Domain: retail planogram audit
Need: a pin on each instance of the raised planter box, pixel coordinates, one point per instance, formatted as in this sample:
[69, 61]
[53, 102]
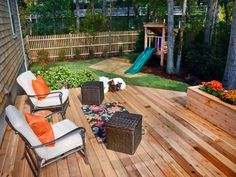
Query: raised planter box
[211, 108]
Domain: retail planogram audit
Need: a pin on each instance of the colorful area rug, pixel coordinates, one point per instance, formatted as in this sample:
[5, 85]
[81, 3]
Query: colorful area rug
[98, 116]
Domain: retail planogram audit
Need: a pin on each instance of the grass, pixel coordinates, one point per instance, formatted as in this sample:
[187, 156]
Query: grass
[146, 80]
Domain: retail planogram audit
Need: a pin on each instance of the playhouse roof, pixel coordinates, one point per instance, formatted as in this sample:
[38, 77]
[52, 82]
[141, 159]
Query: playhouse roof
[154, 27]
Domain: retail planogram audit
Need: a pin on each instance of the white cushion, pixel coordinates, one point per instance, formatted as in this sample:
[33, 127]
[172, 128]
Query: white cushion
[18, 121]
[105, 83]
[25, 81]
[52, 99]
[65, 144]
[70, 142]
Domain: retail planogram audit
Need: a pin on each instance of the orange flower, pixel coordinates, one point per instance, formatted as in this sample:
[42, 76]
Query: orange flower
[214, 85]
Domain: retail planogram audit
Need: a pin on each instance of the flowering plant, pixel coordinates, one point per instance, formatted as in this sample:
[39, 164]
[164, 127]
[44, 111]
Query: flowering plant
[229, 96]
[213, 87]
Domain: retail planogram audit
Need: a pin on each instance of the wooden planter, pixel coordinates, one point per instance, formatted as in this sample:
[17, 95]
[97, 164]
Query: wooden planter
[211, 108]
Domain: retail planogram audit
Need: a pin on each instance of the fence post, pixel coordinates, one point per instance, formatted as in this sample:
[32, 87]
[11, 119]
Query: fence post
[71, 48]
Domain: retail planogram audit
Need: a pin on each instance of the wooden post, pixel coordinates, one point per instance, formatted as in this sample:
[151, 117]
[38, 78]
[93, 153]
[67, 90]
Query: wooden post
[145, 37]
[71, 49]
[162, 46]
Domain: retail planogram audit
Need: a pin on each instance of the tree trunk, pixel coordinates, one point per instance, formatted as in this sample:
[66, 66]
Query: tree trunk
[226, 14]
[209, 21]
[104, 7]
[92, 3]
[148, 13]
[128, 12]
[171, 39]
[77, 16]
[181, 37]
[215, 20]
[229, 80]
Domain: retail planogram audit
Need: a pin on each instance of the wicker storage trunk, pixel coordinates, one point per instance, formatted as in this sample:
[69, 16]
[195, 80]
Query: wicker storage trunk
[92, 93]
[123, 132]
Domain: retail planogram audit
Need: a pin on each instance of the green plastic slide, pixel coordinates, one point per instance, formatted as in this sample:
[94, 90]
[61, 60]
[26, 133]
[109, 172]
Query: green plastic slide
[141, 61]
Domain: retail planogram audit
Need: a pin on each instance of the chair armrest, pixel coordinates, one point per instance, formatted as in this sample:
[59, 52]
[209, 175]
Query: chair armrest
[49, 116]
[81, 129]
[57, 92]
[51, 93]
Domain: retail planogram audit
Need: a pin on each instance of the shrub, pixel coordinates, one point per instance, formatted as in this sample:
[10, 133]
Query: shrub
[105, 52]
[55, 76]
[77, 53]
[213, 87]
[91, 53]
[120, 50]
[132, 57]
[206, 62]
[139, 45]
[42, 58]
[94, 22]
[229, 96]
[62, 55]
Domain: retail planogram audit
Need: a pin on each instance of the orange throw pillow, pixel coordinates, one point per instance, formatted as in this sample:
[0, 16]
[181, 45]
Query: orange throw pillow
[41, 127]
[40, 87]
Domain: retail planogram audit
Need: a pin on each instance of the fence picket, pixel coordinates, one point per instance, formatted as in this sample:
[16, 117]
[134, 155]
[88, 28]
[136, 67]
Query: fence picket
[101, 43]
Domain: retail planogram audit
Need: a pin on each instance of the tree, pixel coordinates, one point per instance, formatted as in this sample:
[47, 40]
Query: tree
[53, 17]
[104, 7]
[129, 3]
[211, 12]
[77, 15]
[171, 38]
[229, 80]
[181, 37]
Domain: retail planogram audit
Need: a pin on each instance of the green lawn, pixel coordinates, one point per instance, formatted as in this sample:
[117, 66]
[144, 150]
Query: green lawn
[147, 80]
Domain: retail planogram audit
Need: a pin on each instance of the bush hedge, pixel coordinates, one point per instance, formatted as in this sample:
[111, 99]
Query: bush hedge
[57, 75]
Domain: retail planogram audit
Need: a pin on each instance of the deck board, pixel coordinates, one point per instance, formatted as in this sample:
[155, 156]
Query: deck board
[177, 142]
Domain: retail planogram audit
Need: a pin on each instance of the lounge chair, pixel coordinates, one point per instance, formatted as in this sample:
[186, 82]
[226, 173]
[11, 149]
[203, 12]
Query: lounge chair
[56, 99]
[69, 138]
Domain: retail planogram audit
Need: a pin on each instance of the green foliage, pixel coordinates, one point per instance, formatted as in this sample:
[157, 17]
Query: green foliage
[120, 50]
[54, 76]
[203, 61]
[42, 58]
[91, 53]
[105, 52]
[77, 53]
[156, 10]
[139, 45]
[147, 80]
[53, 17]
[229, 96]
[209, 90]
[133, 57]
[62, 55]
[93, 23]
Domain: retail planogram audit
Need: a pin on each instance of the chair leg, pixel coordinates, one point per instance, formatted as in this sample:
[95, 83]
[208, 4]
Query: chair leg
[82, 152]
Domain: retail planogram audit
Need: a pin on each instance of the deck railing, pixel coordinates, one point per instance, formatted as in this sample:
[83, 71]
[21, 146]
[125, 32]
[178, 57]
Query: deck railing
[99, 44]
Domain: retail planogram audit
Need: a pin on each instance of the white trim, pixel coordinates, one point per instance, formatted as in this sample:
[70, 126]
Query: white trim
[21, 37]
[13, 30]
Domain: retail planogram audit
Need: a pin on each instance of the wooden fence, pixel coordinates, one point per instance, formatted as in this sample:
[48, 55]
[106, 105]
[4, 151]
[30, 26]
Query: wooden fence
[101, 44]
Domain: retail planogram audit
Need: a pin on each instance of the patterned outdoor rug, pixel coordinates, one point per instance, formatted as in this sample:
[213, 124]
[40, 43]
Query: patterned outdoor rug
[98, 116]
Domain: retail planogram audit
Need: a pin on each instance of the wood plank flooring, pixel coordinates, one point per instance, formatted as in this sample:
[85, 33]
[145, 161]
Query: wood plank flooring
[177, 142]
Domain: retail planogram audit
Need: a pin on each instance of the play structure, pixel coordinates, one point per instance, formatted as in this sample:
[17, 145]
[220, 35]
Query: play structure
[154, 43]
[141, 60]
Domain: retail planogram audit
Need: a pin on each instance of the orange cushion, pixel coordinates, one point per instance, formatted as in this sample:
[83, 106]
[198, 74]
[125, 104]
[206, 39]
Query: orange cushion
[41, 127]
[40, 87]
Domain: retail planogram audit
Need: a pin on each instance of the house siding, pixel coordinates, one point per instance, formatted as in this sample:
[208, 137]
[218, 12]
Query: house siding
[11, 59]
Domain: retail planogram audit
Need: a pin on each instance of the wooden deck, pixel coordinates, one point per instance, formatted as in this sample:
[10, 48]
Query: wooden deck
[177, 142]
